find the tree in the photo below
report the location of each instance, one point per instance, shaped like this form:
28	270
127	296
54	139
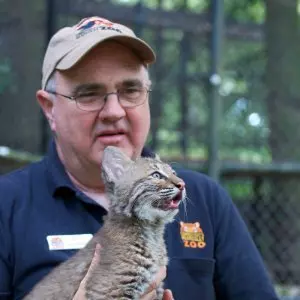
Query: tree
282	38
23	44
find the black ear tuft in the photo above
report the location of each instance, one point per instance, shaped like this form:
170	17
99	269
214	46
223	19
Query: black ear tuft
157	157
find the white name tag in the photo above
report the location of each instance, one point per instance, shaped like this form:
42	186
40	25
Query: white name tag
68	242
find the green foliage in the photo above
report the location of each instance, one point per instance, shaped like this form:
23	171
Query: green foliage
243	93
245	10
242	90
192	5
244	130
239	10
240	190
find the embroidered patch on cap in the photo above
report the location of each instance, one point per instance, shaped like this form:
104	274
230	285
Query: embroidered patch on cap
192	235
92	24
93	21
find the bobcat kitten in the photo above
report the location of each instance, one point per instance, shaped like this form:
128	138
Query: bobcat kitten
144	196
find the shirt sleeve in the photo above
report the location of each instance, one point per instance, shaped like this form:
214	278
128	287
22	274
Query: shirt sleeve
5	240
5	293
240	271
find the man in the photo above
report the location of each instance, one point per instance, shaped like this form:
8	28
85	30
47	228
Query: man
95	90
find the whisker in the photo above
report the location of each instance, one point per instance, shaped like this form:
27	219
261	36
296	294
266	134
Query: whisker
185	210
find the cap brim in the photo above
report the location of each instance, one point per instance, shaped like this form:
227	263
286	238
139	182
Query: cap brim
139	47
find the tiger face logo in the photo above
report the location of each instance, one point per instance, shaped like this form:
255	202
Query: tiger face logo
192	235
190	227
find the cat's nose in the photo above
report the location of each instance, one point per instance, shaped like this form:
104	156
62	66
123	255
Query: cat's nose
180	185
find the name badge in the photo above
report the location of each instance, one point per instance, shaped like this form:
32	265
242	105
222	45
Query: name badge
68	242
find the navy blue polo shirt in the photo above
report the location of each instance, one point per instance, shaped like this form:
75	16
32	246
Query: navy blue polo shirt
211	254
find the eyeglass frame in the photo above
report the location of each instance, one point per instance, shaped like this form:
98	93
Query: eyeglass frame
74	98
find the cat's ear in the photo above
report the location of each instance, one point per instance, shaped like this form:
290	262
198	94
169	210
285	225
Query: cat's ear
157	157
114	163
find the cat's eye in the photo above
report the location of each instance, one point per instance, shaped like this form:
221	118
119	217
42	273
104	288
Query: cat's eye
157	175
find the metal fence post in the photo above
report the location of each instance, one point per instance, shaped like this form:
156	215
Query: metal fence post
49	30
215	114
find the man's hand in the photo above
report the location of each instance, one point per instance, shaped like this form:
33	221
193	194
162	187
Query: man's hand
151	292
149	295
152	295
168	295
80	294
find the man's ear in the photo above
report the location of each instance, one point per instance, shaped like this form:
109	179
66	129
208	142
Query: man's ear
46	103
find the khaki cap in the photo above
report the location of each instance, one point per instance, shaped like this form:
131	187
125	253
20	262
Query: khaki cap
70	44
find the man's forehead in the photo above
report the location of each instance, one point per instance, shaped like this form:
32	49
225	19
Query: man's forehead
106	76
102	85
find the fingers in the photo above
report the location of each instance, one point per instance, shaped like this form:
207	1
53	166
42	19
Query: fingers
161	275
80	294
168	295
150	293
95	261
150	296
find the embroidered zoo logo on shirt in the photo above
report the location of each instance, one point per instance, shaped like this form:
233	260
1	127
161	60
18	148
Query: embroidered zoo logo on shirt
192	235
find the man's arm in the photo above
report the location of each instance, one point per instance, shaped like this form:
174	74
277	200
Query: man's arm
4	275
240	271
5	249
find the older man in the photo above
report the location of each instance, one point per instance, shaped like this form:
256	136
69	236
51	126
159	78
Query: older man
95	92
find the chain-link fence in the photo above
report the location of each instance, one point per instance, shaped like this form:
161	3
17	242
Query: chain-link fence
253	100
268	199
260	117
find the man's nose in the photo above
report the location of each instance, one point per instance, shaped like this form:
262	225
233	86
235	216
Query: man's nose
112	109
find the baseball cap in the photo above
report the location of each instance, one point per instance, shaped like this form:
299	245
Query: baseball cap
70	44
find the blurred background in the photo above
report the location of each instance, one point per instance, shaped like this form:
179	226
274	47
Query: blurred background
225	100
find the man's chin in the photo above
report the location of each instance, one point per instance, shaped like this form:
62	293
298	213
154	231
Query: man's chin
98	152
124	146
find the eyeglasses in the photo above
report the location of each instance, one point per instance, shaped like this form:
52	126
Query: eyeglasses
93	101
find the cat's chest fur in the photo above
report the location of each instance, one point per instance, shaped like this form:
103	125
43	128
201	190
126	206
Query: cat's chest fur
132	254
132	238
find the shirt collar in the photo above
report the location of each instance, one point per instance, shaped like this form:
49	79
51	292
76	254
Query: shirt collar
58	179
147	152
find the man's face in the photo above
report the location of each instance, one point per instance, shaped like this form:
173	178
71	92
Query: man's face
83	135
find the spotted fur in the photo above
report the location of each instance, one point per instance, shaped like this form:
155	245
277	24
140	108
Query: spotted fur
132	244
